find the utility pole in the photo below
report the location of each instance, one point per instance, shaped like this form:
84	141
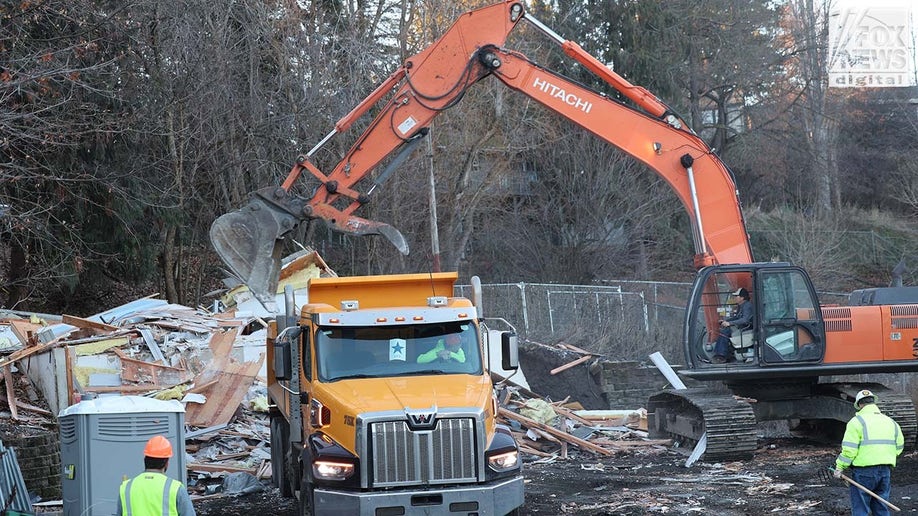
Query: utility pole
434	233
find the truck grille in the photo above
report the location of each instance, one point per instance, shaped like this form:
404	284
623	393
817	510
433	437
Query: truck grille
403	457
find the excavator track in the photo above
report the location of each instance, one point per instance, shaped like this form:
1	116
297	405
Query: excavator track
894	404
685	415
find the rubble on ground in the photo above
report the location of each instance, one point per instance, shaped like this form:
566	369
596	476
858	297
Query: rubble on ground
547	429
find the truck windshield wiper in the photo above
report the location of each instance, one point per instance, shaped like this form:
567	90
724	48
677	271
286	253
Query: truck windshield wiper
423	372
351	376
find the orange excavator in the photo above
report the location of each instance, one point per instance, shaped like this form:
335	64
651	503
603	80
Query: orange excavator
773	367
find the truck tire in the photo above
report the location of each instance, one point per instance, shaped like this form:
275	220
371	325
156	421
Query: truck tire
280	442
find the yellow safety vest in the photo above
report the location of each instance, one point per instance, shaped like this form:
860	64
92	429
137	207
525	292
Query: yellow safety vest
150	494
871	439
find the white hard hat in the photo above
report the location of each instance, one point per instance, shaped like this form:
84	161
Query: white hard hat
863	394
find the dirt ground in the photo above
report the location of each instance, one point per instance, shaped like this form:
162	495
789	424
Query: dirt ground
784	477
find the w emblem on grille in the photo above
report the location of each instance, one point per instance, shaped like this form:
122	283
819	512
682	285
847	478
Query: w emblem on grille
422	419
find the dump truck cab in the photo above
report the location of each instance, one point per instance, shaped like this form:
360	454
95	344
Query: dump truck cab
382	402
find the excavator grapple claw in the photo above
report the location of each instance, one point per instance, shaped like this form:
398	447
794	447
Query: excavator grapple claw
362	227
340	221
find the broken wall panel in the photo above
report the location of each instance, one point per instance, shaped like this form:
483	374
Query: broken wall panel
230	380
49	373
139	371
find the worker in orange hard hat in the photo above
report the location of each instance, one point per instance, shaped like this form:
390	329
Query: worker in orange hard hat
152	493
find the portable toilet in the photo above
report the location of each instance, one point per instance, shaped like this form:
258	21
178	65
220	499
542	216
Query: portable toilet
102	443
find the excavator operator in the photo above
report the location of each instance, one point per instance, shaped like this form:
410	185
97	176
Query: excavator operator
742	318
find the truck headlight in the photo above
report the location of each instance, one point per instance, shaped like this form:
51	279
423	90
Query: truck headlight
504	461
330	470
503	455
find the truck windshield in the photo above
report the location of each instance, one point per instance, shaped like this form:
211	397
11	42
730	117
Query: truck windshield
384	351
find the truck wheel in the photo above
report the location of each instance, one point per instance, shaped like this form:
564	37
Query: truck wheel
280	441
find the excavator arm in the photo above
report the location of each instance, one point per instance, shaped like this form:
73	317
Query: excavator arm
250	240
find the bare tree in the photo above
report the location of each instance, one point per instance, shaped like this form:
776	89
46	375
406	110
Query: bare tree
61	117
807	43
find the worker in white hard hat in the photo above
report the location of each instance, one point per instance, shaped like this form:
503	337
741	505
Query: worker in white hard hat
869	449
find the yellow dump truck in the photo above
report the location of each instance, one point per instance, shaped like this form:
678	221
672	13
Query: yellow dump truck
382	403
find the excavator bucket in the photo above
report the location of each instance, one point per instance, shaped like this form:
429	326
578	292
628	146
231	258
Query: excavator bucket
250	241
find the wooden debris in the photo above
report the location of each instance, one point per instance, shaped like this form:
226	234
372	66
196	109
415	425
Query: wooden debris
575	349
140	371
80	322
26	331
532	451
599	436
198	389
32	408
27	352
570	415
123	389
228	456
569	365
216	468
586	445
264	471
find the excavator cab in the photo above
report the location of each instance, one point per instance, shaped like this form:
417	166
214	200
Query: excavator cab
786	328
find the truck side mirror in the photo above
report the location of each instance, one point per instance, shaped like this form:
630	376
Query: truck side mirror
509	351
283	366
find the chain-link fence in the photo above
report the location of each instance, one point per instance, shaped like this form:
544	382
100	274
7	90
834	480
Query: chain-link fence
624	319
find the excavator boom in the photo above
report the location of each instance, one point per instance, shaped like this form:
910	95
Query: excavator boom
250	240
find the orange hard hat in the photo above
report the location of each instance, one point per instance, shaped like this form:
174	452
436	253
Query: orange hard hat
158	447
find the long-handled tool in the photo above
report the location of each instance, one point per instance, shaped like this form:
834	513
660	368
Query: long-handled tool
850	481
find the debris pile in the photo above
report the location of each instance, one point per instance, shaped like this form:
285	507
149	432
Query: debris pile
210	360
240	447
546	429
147	347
